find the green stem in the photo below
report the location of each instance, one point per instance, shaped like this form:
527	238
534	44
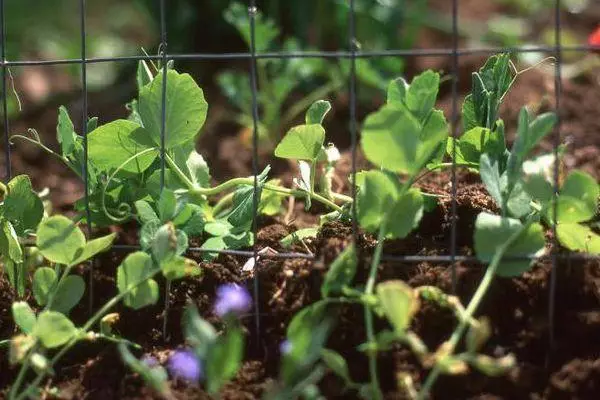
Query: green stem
376	390
482	289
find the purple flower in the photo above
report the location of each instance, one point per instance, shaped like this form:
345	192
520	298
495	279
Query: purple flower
232	298
185	365
285	347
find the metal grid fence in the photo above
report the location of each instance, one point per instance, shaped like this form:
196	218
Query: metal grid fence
353	53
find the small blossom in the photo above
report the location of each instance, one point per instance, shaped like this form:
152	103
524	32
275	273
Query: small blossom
185	365
232	298
285	347
594	40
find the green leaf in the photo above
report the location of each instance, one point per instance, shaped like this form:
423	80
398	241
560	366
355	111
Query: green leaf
422	93
65	132
303	142
488	170
297	236
406	212
23	316
317	111
396	91
583	188
168	242
147	234
469	119
44	280
145	212
93	247
54	329
179	267
224	358
519	201
194	225
340	273
167	204
111	145
539	188
134	276
337	364
68	294
143	75
399	303
377	191
242	207
578	237
473	143
185	111
22	206
270	201
198	169
392	138
59	240
9	243
92	124
492	231
198	332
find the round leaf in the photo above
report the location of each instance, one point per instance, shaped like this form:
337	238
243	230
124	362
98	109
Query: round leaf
398	302
302	142
44	280
68	294
59	239
24	316
185	111
54	329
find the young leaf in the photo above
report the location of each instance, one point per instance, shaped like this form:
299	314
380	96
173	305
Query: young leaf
22	206
54	329
44	280
167	204
68	294
9	243
396	91
23	316
578	237
317	111
111	145
198	332
59	239
134	276
488	169
578	198
303	142
243	211
185	112
406	212
377	191
65	132
337	364
145	212
492	231
341	272
392	138
93	247
399	303
198	169
224	358
422	93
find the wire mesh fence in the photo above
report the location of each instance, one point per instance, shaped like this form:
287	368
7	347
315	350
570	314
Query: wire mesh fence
352	53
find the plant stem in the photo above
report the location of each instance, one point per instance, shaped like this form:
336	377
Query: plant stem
482	289
376	390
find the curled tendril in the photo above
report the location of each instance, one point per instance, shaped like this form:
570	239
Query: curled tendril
123	211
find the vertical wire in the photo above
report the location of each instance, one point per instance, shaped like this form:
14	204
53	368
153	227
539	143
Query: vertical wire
557	105
353	122
453	127
84	168
163	134
7	155
254	91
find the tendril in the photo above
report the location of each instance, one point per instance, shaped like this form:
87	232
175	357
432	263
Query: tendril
123	211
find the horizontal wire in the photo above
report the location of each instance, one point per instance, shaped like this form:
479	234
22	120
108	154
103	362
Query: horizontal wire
307	54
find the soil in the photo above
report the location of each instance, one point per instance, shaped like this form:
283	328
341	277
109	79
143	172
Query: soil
564	366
